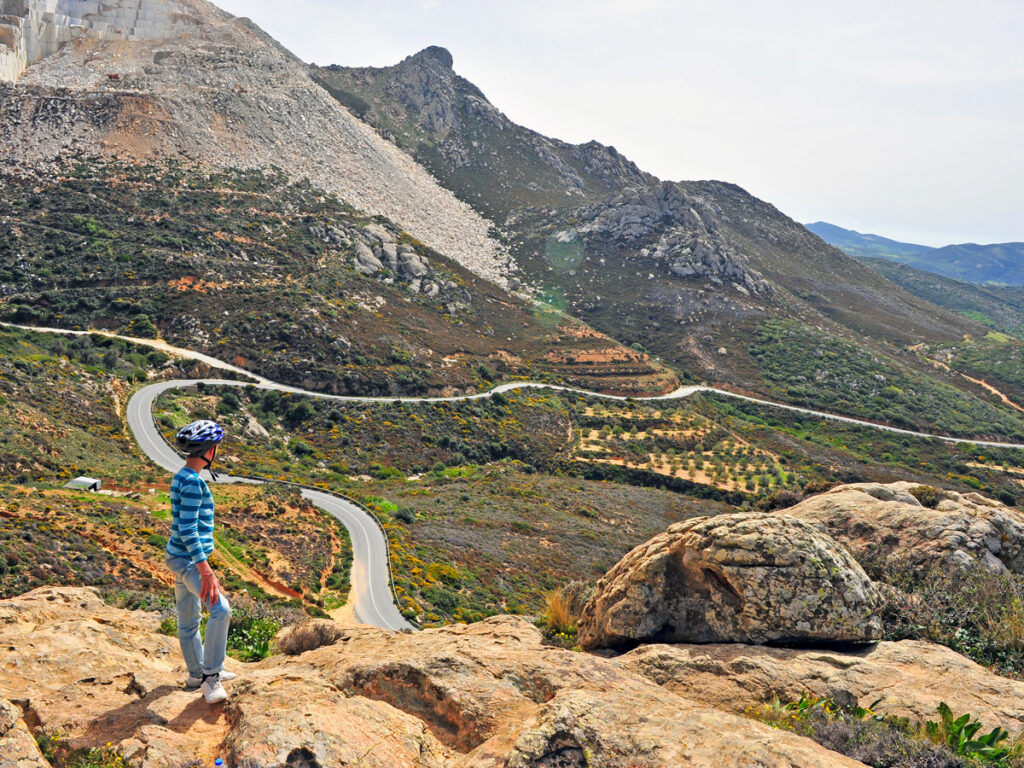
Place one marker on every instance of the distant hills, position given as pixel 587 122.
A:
pixel 1000 307
pixel 999 263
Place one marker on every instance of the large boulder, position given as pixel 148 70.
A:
pixel 883 523
pixel 17 747
pixel 745 577
pixel 480 696
pixel 907 679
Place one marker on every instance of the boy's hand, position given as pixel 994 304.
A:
pixel 209 587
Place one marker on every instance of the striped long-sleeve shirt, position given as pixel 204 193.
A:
pixel 191 517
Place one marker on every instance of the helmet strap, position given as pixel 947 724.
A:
pixel 209 462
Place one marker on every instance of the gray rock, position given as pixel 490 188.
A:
pixel 741 577
pixel 886 523
pixel 366 261
pixel 411 266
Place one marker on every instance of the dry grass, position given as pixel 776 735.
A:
pixel 308 636
pixel 1008 627
pixel 559 615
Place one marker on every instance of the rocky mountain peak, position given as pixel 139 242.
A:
pixel 433 54
pixel 450 126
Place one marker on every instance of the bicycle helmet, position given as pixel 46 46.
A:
pixel 197 438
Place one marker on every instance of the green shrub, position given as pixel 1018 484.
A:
pixel 169 626
pixel 59 753
pixel 781 499
pixel 889 742
pixel 958 733
pixel 406 515
pixel 974 611
pixel 928 496
pixel 300 447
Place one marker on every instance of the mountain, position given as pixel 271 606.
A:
pixel 689 271
pixel 858 244
pixel 169 167
pixel 181 80
pixel 449 126
pixel 195 167
pixel 999 263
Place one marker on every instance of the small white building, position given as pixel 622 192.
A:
pixel 84 484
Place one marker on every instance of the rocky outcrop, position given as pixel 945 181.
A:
pixel 689 241
pixel 17 747
pixel 907 679
pixel 887 523
pixel 376 251
pixel 745 577
pixel 489 694
pixel 421 102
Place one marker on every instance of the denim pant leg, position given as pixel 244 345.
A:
pixel 189 616
pixel 200 658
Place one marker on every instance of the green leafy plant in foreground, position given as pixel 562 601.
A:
pixel 886 741
pixel 958 733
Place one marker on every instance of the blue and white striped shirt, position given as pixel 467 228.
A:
pixel 191 517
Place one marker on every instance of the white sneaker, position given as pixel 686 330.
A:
pixel 193 683
pixel 212 690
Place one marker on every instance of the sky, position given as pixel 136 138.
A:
pixel 904 119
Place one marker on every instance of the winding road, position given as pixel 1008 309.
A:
pixel 371 578
pixel 373 599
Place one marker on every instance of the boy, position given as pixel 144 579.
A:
pixel 188 548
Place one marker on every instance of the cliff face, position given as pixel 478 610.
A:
pixel 33 29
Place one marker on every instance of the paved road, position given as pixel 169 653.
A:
pixel 370 578
pixel 682 392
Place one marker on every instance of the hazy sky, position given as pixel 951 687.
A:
pixel 903 118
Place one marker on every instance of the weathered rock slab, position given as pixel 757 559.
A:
pixel 885 523
pixel 908 678
pixel 745 577
pixel 485 695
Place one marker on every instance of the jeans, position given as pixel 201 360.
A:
pixel 200 658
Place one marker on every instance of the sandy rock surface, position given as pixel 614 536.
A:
pixel 884 522
pixel 745 577
pixel 909 678
pixel 487 694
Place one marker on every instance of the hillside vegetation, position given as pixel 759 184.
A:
pixel 278 277
pixel 62 417
pixel 1000 307
pixel 688 272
